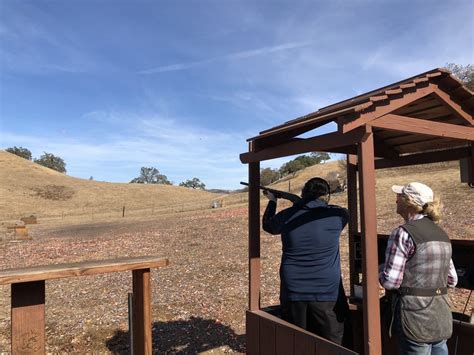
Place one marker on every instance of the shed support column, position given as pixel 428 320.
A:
pixel 353 225
pixel 254 236
pixel 372 334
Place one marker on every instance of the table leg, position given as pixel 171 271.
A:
pixel 142 337
pixel 27 317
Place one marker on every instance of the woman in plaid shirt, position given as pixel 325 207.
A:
pixel 418 267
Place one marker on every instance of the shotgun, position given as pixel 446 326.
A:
pixel 278 194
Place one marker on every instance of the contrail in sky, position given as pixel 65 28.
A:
pixel 236 55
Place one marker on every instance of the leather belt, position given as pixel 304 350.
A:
pixel 423 292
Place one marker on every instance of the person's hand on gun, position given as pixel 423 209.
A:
pixel 269 195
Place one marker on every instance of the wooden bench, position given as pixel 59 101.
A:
pixel 20 231
pixel 28 298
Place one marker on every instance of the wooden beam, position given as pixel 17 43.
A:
pixel 254 236
pixel 284 136
pixel 371 306
pixel 318 117
pixel 384 150
pixel 416 125
pixel 382 110
pixel 454 106
pixel 423 158
pixel 325 142
pixel 433 145
pixel 93 267
pixel 27 318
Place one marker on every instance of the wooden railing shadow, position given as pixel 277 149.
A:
pixel 190 336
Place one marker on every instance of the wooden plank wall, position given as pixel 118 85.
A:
pixel 269 335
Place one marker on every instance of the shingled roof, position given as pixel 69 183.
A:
pixel 435 96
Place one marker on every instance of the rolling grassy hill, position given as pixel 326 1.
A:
pixel 27 188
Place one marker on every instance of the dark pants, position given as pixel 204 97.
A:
pixel 325 319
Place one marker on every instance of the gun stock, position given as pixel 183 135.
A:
pixel 277 193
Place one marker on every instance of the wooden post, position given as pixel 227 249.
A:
pixel 142 336
pixel 371 306
pixel 353 220
pixel 254 236
pixel 27 317
pixel 123 212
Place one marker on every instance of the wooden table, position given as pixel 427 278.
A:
pixel 28 298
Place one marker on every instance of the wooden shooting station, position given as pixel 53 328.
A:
pixel 427 118
pixel 28 298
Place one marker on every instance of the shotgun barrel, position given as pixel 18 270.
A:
pixel 277 193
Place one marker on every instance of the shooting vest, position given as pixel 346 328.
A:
pixel 425 314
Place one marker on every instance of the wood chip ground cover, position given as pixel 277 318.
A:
pixel 199 301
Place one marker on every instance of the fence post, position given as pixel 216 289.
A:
pixel 123 212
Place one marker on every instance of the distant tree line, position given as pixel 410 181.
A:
pixel 151 175
pixel 269 175
pixel 47 160
pixel 463 73
pixel 193 183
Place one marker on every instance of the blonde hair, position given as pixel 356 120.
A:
pixel 431 209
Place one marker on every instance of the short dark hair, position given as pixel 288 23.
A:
pixel 315 188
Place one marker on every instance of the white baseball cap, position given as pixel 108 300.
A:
pixel 419 193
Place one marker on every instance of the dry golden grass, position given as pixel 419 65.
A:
pixel 27 188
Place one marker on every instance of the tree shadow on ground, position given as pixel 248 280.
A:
pixel 183 337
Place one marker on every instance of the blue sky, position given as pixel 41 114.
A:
pixel 111 86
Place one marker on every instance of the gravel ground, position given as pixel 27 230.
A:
pixel 198 302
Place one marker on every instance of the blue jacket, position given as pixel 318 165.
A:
pixel 310 267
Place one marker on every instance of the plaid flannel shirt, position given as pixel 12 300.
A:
pixel 400 248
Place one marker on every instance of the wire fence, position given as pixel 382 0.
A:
pixel 121 211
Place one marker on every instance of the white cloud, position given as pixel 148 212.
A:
pixel 236 55
pixel 32 44
pixel 177 150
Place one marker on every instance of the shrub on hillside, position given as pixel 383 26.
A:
pixel 291 167
pixel 54 192
pixel 51 161
pixel 20 151
pixel 268 175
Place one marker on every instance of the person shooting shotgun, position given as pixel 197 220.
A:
pixel 311 292
pixel 277 193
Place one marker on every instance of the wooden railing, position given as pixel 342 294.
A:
pixel 267 334
pixel 28 298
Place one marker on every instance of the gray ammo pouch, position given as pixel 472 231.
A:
pixel 426 319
